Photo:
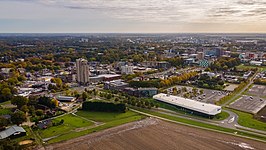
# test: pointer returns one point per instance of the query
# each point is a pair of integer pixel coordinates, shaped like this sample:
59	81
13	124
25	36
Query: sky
132	16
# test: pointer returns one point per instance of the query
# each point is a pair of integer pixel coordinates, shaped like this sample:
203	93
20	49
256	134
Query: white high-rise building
83	71
127	69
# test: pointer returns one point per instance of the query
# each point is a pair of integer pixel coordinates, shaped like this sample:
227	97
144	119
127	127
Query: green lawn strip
110	124
247	120
71	122
5	103
233	100
5	111
204	125
221	116
104	116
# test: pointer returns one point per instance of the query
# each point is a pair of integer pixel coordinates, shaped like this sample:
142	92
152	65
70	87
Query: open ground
156	134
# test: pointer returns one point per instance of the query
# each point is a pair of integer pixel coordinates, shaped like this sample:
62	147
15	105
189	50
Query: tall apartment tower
127	69
83	71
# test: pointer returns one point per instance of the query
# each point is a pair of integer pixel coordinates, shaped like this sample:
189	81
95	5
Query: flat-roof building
197	107
65	98
12	132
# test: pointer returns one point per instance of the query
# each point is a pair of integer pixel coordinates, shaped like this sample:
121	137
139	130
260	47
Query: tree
18	117
39	112
174	91
24	108
33	100
3	122
201	91
184	89
19	101
8	144
47	101
6	94
85	96
194	90
54	103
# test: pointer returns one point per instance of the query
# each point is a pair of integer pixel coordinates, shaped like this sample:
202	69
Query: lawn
71	122
107	125
247	120
221	116
5	103
105	116
67	130
5	111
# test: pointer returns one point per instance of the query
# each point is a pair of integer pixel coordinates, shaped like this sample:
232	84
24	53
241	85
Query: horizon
152	16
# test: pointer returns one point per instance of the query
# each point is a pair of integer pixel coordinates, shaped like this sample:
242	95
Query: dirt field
156	134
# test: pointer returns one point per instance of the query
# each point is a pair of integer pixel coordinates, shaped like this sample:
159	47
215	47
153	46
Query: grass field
5	103
71	122
204	125
105	116
4	111
247	120
107	125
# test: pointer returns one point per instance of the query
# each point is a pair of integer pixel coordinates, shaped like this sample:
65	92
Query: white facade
83	72
127	69
204	108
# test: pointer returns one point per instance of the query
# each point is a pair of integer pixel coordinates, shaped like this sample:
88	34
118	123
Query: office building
127	69
83	72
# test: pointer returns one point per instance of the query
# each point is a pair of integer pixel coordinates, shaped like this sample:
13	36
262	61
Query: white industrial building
188	104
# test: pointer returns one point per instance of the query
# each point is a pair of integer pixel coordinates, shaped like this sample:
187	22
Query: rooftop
205	108
10	131
65	98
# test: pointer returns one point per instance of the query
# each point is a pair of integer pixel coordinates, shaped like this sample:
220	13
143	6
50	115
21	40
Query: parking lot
259	90
208	96
249	104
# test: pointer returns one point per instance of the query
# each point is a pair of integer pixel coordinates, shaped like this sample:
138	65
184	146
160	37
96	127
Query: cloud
169	11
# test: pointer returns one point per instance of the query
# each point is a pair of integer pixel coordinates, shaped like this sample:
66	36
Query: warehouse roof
65	98
205	108
10	131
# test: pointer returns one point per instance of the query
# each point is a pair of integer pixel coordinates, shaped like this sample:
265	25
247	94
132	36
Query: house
13	132
44	124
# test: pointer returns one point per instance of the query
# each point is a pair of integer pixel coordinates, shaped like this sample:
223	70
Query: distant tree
8	144
201	91
19	101
39	112
24	108
18	117
3	122
6	94
184	89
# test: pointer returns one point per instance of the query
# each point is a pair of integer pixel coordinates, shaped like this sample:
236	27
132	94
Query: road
243	90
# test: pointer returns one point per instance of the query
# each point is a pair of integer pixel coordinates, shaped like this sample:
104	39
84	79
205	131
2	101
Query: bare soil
155	134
